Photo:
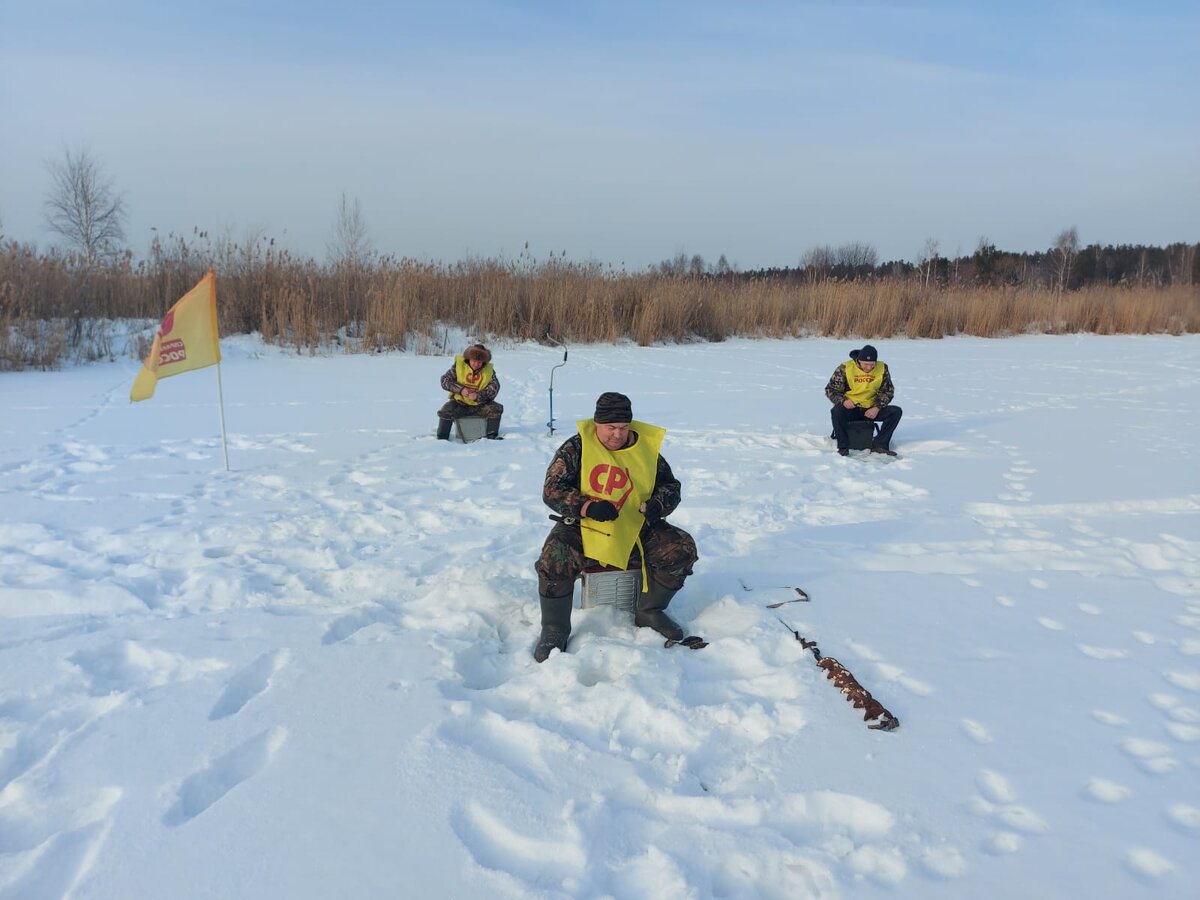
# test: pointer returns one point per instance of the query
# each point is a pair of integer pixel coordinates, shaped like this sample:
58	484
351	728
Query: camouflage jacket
561	490
837	387
486	395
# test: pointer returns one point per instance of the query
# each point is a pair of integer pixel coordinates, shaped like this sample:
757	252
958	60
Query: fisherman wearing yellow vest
612	490
861	388
472	385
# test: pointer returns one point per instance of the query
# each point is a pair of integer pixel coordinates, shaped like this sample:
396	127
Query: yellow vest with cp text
468	377
861	387
626	479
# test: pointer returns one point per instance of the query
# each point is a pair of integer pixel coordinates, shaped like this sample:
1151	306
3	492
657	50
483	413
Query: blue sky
622	132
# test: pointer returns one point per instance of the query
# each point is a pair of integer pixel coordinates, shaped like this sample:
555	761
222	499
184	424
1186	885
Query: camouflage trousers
455	410
670	555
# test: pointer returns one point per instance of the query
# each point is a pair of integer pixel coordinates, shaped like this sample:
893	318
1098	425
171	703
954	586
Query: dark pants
888	419
670	555
454	410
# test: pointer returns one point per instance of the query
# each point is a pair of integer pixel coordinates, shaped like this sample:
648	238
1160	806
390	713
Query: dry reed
53	309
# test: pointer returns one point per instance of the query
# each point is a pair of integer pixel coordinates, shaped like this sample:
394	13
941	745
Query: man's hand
652	509
470	394
872	412
849	404
601	510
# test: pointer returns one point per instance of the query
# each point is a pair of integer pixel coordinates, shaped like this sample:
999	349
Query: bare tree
1182	263
676	265
350	245
83	207
928	260
857	255
696	265
1066	248
723	267
817	261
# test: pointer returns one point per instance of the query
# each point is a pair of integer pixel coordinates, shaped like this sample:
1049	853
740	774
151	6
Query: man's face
475	363
613	435
866	364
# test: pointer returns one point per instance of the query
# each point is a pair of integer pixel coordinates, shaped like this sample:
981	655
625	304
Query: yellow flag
186	339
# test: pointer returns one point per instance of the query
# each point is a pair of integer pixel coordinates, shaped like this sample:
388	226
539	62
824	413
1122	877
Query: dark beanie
613	407
868	354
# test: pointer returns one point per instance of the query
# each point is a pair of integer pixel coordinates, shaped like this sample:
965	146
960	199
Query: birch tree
83	207
1066	248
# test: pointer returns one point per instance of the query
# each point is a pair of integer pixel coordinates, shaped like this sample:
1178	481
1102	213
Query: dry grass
53	310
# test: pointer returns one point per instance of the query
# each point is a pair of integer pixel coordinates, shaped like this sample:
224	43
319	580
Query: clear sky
622	132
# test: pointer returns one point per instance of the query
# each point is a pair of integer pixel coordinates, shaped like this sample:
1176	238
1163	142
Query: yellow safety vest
468	377
624	477
861	387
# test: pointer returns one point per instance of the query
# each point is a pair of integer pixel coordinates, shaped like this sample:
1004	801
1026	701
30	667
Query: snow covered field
310	677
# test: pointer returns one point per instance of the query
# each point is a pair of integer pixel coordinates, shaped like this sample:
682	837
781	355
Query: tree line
1062	267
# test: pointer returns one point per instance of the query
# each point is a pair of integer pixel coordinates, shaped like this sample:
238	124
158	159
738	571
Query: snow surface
311	676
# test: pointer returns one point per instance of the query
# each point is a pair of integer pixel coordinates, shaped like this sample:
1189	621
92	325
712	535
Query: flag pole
221	407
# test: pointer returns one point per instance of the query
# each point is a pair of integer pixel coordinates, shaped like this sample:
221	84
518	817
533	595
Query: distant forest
1066	266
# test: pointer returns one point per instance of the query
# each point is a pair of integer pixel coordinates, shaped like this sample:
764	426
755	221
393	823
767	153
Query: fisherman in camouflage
613	491
861	388
472	385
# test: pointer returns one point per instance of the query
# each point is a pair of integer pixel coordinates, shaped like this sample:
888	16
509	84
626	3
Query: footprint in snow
1184	817
60	864
1189	680
344	627
202	789
248	684
1001	843
1146	864
977	732
1102	653
998	800
544	856
1104	791
519	746
943	862
1152	756
1184	721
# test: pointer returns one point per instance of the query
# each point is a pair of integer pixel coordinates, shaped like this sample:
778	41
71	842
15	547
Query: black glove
602	510
654	511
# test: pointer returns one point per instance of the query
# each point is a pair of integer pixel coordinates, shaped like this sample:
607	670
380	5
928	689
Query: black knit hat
868	354
613	407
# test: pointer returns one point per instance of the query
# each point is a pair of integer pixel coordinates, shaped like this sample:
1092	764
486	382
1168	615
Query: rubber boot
556	626
651	613
493	430
444	426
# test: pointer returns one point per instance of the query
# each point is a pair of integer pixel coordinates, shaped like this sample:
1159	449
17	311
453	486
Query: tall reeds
54	309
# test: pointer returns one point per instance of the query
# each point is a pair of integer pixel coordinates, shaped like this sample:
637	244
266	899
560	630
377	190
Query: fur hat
613	407
478	351
867	354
